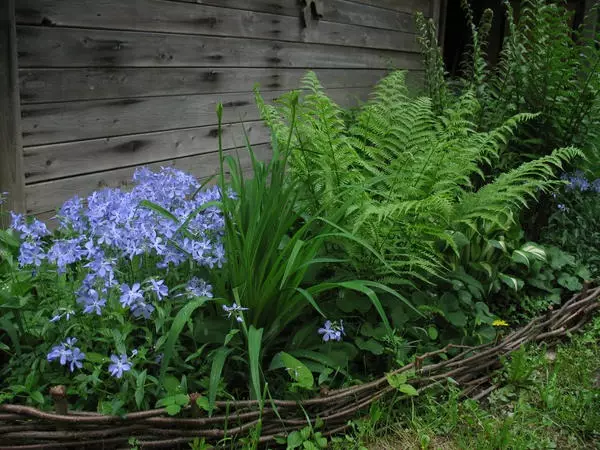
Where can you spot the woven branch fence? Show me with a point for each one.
(23, 427)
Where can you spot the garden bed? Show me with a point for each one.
(23, 427)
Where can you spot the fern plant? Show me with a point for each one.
(545, 67)
(404, 174)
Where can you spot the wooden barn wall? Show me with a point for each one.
(108, 85)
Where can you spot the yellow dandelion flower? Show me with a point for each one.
(500, 323)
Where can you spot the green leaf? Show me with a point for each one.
(569, 282)
(182, 399)
(456, 318)
(229, 336)
(512, 282)
(173, 410)
(294, 440)
(408, 389)
(171, 384)
(95, 357)
(370, 345)
(179, 322)
(396, 380)
(215, 376)
(37, 397)
(254, 348)
(432, 332)
(202, 402)
(295, 368)
(289, 266)
(140, 384)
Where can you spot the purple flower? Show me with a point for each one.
(131, 295)
(332, 331)
(199, 288)
(119, 365)
(3, 196)
(77, 356)
(31, 253)
(67, 313)
(235, 310)
(65, 252)
(67, 353)
(60, 352)
(562, 207)
(159, 288)
(141, 308)
(92, 303)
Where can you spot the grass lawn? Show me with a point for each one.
(550, 398)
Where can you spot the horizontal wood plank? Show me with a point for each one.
(47, 196)
(408, 6)
(71, 47)
(54, 161)
(48, 123)
(175, 17)
(54, 85)
(343, 11)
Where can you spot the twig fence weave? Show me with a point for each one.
(24, 427)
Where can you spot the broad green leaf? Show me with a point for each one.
(512, 282)
(396, 380)
(294, 440)
(370, 345)
(173, 410)
(179, 322)
(456, 318)
(408, 389)
(432, 332)
(295, 368)
(216, 370)
(140, 388)
(254, 348)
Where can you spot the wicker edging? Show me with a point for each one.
(24, 427)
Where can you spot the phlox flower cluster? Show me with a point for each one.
(577, 181)
(113, 231)
(332, 331)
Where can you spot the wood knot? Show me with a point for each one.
(312, 12)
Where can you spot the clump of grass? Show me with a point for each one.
(553, 404)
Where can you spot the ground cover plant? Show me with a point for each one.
(547, 397)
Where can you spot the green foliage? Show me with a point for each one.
(573, 225)
(545, 67)
(402, 174)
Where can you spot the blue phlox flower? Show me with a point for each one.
(562, 207)
(120, 365)
(159, 288)
(141, 308)
(332, 331)
(235, 310)
(67, 353)
(131, 295)
(199, 288)
(31, 253)
(77, 356)
(93, 303)
(65, 252)
(66, 313)
(60, 352)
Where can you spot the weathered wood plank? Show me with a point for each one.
(54, 85)
(409, 6)
(11, 152)
(48, 123)
(341, 11)
(175, 17)
(70, 47)
(49, 162)
(47, 196)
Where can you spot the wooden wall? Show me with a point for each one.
(108, 85)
